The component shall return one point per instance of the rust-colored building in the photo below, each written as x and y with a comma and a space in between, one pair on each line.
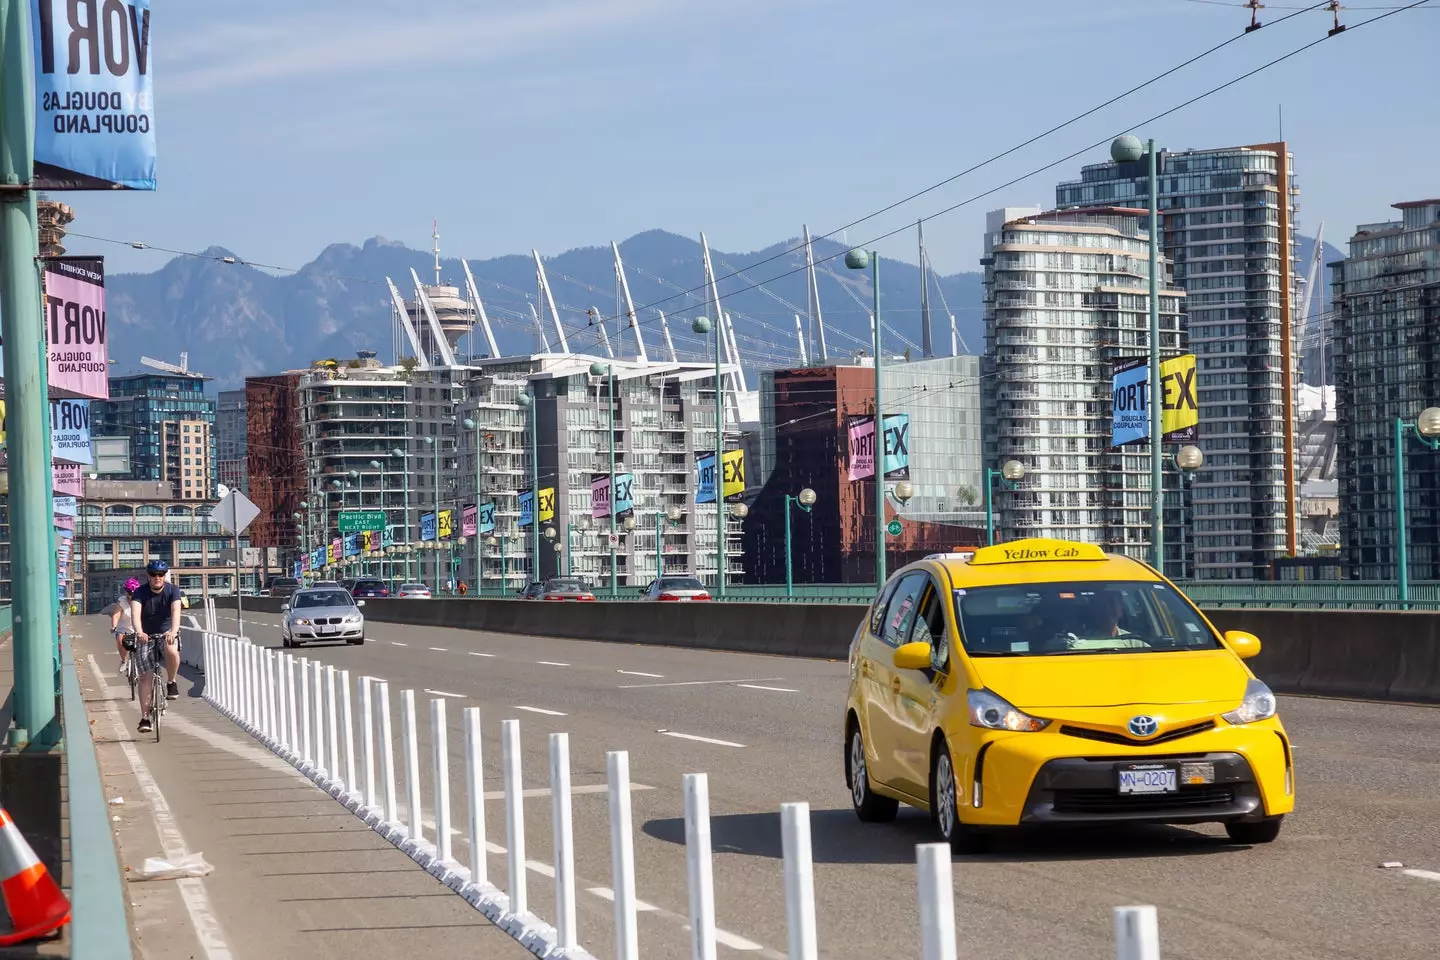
835, 542
274, 459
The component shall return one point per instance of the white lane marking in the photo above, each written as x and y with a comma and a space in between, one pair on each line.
756, 686
474, 654
691, 736
545, 791
172, 842
1422, 874
397, 643
697, 683
728, 939
605, 893
637, 673
551, 663
441, 649
548, 713
442, 693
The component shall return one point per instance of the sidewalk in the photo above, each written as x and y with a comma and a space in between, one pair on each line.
296, 874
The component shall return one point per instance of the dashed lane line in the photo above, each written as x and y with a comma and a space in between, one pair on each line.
551, 663
441, 649
1422, 874
442, 693
638, 673
756, 686
548, 713
397, 643
475, 654
698, 739
696, 683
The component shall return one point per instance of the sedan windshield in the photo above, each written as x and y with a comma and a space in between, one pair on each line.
681, 583
325, 598
566, 586
1056, 619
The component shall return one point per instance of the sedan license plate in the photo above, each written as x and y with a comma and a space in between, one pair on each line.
1148, 779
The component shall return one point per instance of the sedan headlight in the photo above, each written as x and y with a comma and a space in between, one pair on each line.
304, 622
353, 618
994, 713
1258, 704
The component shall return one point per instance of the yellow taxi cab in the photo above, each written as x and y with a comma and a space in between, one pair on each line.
1048, 682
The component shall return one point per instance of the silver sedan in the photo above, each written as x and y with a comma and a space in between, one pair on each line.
322, 613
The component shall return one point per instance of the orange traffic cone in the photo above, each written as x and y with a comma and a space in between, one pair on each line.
32, 896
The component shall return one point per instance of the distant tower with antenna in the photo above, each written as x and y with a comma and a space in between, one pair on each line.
451, 308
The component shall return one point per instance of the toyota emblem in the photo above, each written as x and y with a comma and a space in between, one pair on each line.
1143, 726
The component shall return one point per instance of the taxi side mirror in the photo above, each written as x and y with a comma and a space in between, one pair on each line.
913, 656
1245, 645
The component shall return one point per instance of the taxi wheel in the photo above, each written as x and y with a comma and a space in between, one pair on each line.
1261, 831
945, 806
870, 807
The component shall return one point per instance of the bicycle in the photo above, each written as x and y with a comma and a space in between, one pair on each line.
132, 672
159, 680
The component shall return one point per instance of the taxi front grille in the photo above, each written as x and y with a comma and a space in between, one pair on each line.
1111, 801
1107, 736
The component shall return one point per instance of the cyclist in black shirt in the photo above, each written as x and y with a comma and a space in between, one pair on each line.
155, 611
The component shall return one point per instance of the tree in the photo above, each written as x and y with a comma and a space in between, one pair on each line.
967, 495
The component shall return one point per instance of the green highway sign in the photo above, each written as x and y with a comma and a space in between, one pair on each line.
357, 521
892, 528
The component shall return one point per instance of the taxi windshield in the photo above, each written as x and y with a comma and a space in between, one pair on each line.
1078, 617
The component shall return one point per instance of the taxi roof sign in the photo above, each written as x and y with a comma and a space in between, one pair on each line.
1037, 551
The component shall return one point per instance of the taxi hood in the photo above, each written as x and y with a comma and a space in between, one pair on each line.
1102, 680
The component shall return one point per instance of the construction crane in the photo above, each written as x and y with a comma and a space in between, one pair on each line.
182, 368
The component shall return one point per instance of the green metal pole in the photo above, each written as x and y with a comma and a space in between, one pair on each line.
435, 463
719, 465
989, 507
659, 533
610, 392
569, 547
1156, 400
880, 545
31, 530
406, 526
502, 565
789, 576
535, 483
1402, 566
479, 543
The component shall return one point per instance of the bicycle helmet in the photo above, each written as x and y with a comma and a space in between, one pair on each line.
132, 585
157, 566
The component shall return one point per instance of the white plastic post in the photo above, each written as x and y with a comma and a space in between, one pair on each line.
307, 752
332, 711
267, 686
248, 674
257, 692
277, 684
387, 752
1137, 933
367, 743
622, 855
698, 866
411, 749
563, 829
514, 813
440, 756
475, 784
937, 901
317, 683
799, 881
348, 718
292, 715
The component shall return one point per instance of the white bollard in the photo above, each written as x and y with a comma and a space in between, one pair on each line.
799, 881
440, 756
514, 814
563, 830
387, 751
1137, 933
367, 742
247, 691
346, 717
317, 683
277, 674
622, 855
267, 670
306, 753
698, 866
332, 711
475, 787
937, 901
292, 715
411, 747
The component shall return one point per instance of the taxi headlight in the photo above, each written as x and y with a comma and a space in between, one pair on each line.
994, 713
1258, 704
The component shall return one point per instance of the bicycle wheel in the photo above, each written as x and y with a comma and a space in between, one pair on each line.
157, 702
132, 675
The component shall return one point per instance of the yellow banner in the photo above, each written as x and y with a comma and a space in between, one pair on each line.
368, 540
1179, 413
447, 522
547, 504
734, 471
329, 553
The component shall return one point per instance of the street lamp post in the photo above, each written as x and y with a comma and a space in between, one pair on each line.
1426, 429
479, 569
583, 525
598, 369
703, 326
404, 457
805, 500
526, 401
859, 259
1188, 459
1011, 474
672, 514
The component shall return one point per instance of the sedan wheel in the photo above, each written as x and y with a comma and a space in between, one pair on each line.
870, 807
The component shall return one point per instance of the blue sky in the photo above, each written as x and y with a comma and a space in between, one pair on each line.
551, 124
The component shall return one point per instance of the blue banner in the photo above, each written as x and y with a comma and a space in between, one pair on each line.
387, 538
351, 545
1129, 411
427, 526
705, 479
527, 508
897, 447
624, 499
295, 570
94, 101
317, 559
70, 431
487, 518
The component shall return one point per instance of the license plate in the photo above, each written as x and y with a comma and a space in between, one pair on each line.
327, 628
1148, 780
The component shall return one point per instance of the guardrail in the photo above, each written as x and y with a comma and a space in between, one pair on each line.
303, 712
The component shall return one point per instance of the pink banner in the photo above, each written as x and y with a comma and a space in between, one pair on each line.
468, 521
69, 481
64, 522
305, 563
862, 447
75, 326
599, 496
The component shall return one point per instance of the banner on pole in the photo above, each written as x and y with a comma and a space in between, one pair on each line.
75, 326
705, 479
487, 518
527, 508
351, 545
70, 431
336, 551
447, 524
599, 495
427, 526
547, 504
68, 479
65, 506
468, 526
1130, 396
897, 446
732, 473
93, 96
862, 447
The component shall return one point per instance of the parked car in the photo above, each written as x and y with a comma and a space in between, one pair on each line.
532, 591
413, 591
566, 588
675, 588
369, 587
322, 613
283, 586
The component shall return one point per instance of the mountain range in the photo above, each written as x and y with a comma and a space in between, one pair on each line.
236, 320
